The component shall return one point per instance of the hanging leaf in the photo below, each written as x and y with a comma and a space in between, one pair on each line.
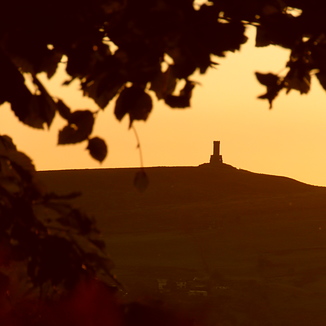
141, 181
273, 83
135, 102
97, 148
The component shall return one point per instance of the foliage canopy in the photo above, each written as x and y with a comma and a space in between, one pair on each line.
131, 50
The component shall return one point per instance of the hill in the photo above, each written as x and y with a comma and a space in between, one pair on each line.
257, 242
110, 194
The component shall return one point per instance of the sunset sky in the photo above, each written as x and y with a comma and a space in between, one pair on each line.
289, 140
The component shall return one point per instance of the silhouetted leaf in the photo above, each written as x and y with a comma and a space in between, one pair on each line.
63, 110
262, 39
18, 163
298, 79
141, 180
135, 102
50, 62
80, 126
47, 105
6, 143
321, 75
164, 83
183, 99
102, 90
267, 79
273, 83
33, 110
97, 148
71, 135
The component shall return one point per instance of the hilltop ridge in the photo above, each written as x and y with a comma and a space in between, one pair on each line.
176, 191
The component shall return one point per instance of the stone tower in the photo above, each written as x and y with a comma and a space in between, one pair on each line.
216, 158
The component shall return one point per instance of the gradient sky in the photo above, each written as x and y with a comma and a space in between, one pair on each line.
289, 140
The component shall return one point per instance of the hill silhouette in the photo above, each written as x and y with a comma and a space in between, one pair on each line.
109, 194
258, 240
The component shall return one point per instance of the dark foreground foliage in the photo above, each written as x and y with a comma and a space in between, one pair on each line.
91, 302
47, 246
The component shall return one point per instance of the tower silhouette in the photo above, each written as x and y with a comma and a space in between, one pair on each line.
216, 158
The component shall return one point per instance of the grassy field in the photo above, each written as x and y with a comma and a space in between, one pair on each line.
256, 244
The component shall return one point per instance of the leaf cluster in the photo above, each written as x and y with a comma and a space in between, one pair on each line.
128, 51
300, 26
117, 50
57, 243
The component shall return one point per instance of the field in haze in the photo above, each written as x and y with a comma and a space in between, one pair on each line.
243, 248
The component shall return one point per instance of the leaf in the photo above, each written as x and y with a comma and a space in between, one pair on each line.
164, 83
267, 79
47, 107
70, 135
141, 180
50, 62
32, 110
6, 143
22, 164
273, 83
12, 85
183, 99
80, 126
321, 76
298, 79
262, 38
38, 112
63, 110
19, 161
78, 221
135, 102
97, 148
102, 89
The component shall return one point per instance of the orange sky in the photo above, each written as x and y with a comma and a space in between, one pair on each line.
289, 140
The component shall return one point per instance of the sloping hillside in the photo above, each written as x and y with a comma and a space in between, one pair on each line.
109, 194
257, 242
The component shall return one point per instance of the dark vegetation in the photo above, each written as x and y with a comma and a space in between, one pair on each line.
255, 243
127, 52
